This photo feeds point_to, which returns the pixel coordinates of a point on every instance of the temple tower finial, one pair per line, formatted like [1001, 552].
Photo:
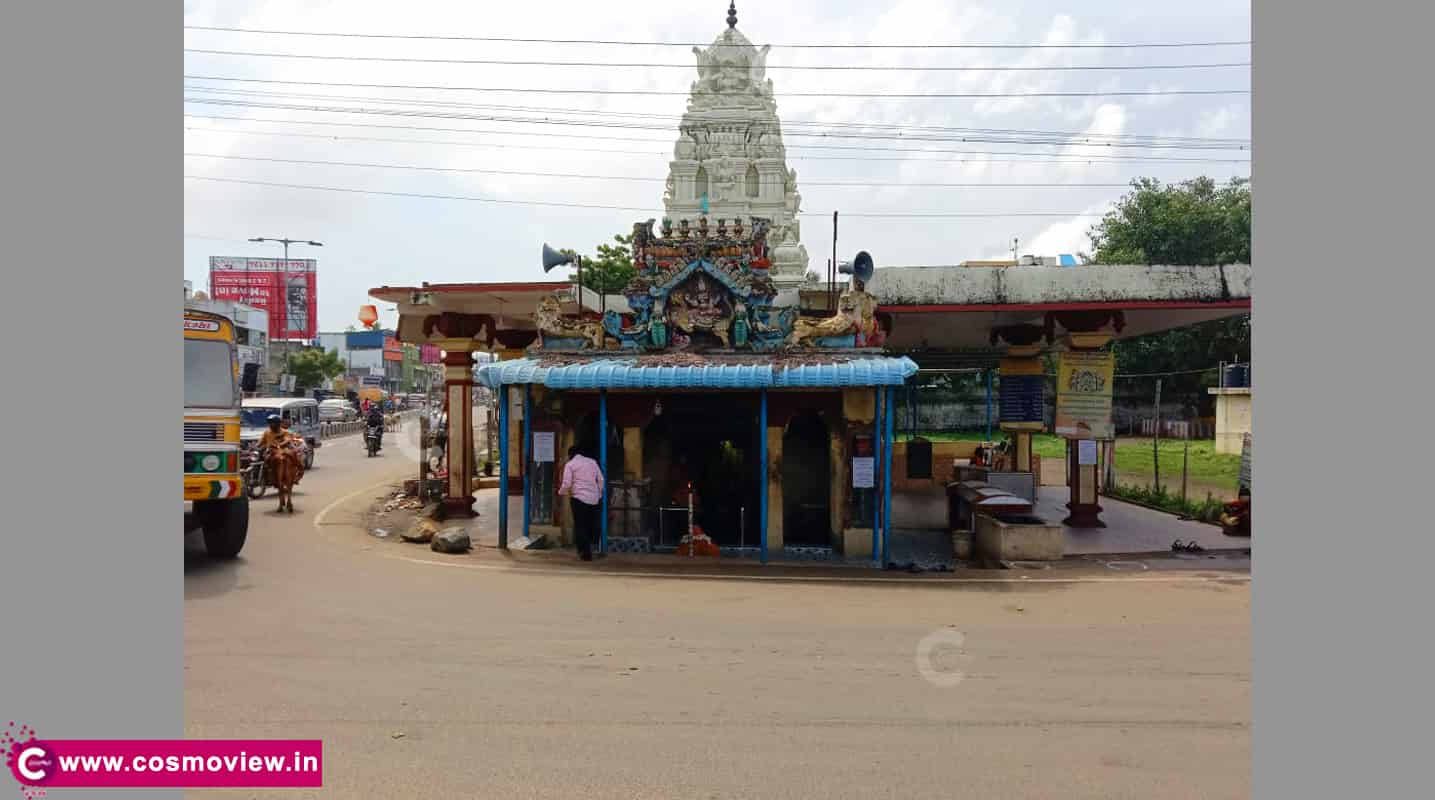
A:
[732, 14]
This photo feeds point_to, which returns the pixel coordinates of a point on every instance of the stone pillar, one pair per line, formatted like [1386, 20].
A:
[1084, 505]
[774, 489]
[458, 390]
[633, 452]
[859, 410]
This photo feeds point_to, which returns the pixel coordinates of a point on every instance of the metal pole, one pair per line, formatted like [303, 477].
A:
[603, 464]
[762, 476]
[1156, 440]
[832, 271]
[527, 455]
[457, 419]
[422, 492]
[876, 473]
[887, 481]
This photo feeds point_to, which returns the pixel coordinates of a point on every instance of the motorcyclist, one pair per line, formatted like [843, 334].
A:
[375, 420]
[273, 437]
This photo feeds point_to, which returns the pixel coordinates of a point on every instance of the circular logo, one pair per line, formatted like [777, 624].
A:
[33, 763]
[210, 462]
[935, 654]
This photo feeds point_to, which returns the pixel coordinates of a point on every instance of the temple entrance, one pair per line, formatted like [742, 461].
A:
[587, 440]
[806, 482]
[708, 441]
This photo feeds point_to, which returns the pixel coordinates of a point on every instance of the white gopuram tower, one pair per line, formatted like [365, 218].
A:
[729, 162]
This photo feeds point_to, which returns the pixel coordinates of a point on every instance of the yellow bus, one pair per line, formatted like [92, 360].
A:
[214, 496]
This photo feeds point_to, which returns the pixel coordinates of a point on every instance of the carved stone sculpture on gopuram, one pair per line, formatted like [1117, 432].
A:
[701, 287]
[729, 161]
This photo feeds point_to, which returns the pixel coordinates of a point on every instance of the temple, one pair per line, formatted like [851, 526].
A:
[729, 162]
[737, 416]
[723, 422]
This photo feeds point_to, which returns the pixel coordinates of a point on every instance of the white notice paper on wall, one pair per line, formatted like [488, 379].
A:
[1086, 452]
[542, 447]
[863, 473]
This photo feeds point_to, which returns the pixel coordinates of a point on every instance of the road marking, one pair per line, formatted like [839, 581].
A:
[832, 579]
[319, 517]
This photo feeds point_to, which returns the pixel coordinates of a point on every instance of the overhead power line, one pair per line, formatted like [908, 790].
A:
[650, 65]
[1064, 160]
[548, 121]
[790, 123]
[667, 93]
[648, 209]
[649, 179]
[794, 45]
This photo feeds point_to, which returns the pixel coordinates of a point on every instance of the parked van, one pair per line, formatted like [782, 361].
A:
[303, 414]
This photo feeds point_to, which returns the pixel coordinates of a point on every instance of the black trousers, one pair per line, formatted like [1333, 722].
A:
[585, 526]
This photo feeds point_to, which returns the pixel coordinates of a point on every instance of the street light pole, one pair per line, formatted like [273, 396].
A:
[286, 242]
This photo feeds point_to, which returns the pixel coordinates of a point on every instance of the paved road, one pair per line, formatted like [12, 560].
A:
[426, 680]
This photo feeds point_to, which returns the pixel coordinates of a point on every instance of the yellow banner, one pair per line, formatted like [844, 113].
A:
[1083, 394]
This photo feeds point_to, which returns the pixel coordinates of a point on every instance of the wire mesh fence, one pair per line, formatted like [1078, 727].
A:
[1165, 447]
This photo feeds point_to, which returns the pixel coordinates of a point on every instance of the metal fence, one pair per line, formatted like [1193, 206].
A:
[334, 430]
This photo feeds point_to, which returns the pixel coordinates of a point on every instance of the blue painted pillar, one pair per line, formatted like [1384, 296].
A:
[502, 464]
[887, 480]
[877, 474]
[527, 455]
[762, 473]
[603, 464]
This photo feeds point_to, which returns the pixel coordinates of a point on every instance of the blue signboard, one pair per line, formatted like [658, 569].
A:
[1022, 398]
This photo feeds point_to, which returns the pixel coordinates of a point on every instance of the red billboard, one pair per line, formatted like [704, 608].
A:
[285, 289]
[393, 351]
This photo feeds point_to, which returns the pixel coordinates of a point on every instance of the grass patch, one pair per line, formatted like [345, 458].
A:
[1208, 510]
[1133, 457]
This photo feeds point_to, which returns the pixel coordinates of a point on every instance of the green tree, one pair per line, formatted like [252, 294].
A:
[312, 367]
[1195, 222]
[612, 269]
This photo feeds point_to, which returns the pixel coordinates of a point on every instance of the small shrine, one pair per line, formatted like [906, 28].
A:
[726, 423]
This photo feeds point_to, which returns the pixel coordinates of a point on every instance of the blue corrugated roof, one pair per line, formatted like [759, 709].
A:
[635, 373]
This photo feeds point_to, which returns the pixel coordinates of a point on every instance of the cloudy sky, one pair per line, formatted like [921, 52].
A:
[443, 135]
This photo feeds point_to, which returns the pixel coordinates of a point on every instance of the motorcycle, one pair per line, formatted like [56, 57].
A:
[252, 468]
[372, 433]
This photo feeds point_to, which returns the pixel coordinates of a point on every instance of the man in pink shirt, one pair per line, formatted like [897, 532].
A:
[583, 483]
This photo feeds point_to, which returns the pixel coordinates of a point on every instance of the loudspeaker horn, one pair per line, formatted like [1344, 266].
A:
[860, 267]
[553, 258]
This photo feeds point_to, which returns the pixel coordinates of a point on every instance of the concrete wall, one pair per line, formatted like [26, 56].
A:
[1088, 283]
[1233, 418]
[922, 502]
